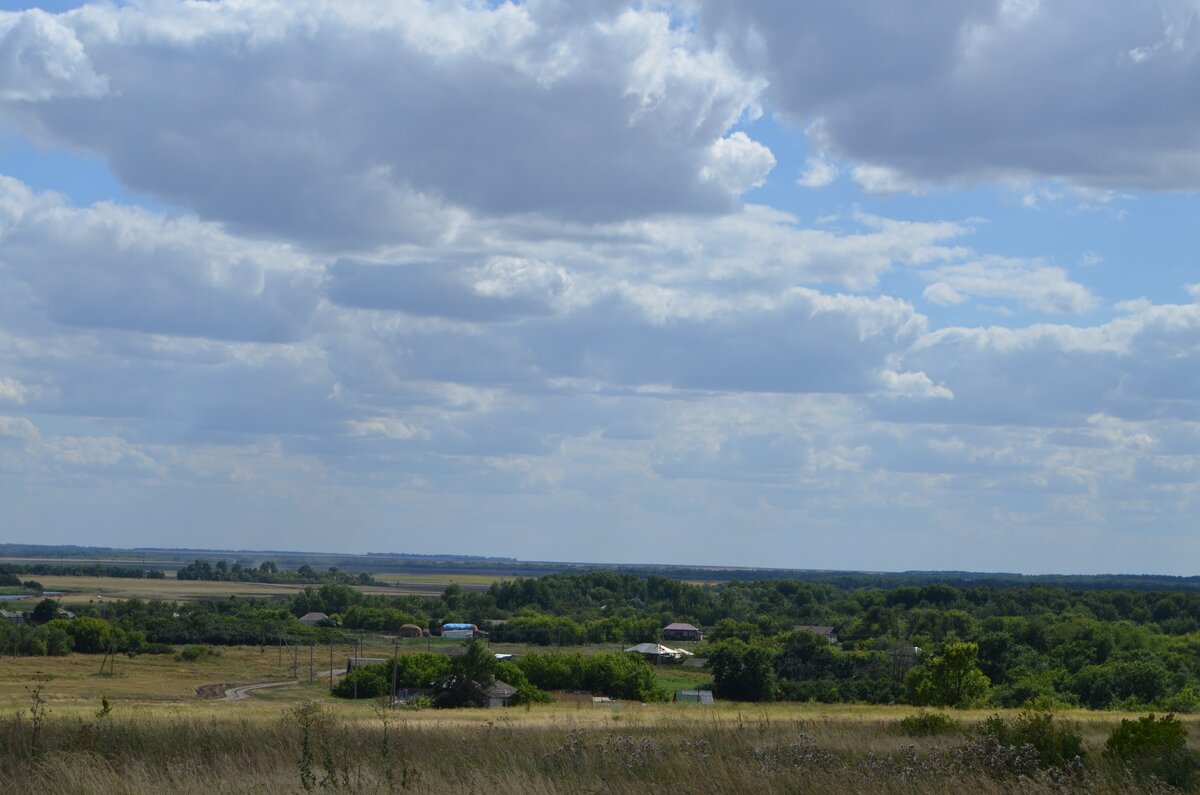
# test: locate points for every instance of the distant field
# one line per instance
(468, 581)
(149, 677)
(85, 589)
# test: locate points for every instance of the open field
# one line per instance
(161, 736)
(440, 580)
(260, 746)
(85, 589)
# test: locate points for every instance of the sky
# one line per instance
(876, 285)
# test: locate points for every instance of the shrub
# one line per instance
(366, 681)
(193, 653)
(158, 648)
(926, 724)
(1056, 744)
(1155, 747)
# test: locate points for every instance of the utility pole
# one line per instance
(395, 659)
(331, 664)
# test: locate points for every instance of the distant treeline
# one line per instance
(269, 572)
(80, 570)
(928, 644)
(470, 564)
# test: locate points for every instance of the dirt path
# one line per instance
(242, 692)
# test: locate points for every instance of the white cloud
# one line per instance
(1097, 95)
(818, 173)
(12, 391)
(1033, 284)
(42, 59)
(108, 266)
(434, 110)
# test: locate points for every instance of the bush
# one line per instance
(366, 681)
(926, 724)
(158, 648)
(1155, 747)
(508, 671)
(193, 653)
(1056, 744)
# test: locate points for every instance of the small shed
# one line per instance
(14, 617)
(694, 696)
(501, 694)
(316, 620)
(681, 631)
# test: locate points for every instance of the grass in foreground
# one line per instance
(282, 747)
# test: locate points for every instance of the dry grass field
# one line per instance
(85, 589)
(159, 735)
(282, 744)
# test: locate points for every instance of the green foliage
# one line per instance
(509, 672)
(617, 675)
(421, 670)
(365, 681)
(194, 653)
(951, 679)
(1157, 747)
(45, 611)
(90, 635)
(1141, 681)
(471, 674)
(926, 724)
(1057, 744)
(742, 672)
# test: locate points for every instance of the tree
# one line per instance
(951, 679)
(44, 612)
(743, 672)
(471, 674)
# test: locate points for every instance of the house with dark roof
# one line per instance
(681, 631)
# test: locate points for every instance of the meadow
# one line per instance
(66, 728)
(82, 589)
(278, 744)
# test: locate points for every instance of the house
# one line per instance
(16, 618)
(680, 631)
(411, 631)
(658, 653)
(825, 632)
(317, 620)
(461, 631)
(694, 696)
(501, 694)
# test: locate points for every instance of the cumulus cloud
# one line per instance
(1035, 285)
(42, 59)
(818, 173)
(1097, 94)
(109, 266)
(288, 128)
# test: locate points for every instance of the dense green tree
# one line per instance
(951, 679)
(743, 672)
